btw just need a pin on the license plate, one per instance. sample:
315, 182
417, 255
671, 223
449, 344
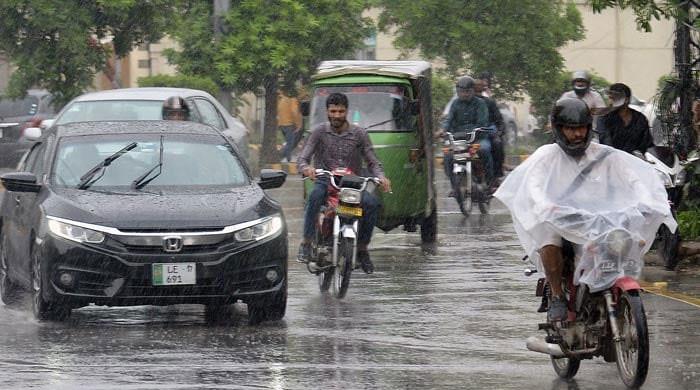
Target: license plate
349, 210
168, 274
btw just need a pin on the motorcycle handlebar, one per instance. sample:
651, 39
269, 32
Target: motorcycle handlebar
323, 172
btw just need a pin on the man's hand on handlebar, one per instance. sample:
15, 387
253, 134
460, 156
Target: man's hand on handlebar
385, 183
309, 172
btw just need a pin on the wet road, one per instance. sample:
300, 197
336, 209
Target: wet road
457, 318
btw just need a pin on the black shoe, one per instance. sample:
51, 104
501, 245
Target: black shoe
365, 262
304, 254
558, 310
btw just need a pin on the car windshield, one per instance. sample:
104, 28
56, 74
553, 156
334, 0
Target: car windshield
112, 110
376, 107
188, 160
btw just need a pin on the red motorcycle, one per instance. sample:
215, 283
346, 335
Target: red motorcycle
606, 315
334, 249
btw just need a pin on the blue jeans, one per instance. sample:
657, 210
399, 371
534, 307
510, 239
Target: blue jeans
290, 137
484, 154
317, 198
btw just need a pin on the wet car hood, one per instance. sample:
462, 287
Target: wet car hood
144, 210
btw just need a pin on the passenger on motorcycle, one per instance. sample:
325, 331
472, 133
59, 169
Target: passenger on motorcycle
495, 121
556, 194
581, 83
339, 144
467, 113
623, 127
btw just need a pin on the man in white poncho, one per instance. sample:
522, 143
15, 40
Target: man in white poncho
580, 191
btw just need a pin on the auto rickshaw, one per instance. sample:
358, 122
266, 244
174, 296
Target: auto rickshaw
392, 100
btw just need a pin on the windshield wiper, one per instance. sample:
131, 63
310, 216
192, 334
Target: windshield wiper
381, 123
141, 181
87, 179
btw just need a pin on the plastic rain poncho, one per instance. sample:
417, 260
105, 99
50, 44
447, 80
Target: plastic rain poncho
608, 203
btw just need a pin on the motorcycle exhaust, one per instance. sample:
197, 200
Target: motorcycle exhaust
537, 344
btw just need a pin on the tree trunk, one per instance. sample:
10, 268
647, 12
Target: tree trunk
269, 152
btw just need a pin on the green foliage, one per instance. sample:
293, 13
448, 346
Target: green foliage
516, 40
56, 44
180, 81
644, 10
278, 39
442, 90
689, 224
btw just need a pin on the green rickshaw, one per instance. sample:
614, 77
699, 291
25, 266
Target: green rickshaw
392, 100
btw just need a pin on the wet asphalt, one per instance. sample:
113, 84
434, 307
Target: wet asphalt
452, 317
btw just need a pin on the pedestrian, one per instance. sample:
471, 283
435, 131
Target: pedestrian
289, 123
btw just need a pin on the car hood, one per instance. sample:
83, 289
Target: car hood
143, 210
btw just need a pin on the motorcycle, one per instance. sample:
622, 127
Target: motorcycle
469, 185
605, 312
674, 173
334, 248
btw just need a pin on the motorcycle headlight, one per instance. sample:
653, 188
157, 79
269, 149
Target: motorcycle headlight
266, 228
75, 233
350, 195
665, 178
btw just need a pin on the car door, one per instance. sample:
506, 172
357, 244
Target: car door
19, 209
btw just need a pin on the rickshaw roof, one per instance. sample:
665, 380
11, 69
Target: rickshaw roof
410, 69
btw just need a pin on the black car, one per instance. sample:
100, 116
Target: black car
141, 212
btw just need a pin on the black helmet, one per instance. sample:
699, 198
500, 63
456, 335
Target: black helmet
175, 104
571, 112
465, 82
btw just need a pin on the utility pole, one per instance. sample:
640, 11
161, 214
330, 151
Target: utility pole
687, 58
221, 8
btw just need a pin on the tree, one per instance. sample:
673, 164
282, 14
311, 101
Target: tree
644, 10
56, 44
516, 40
267, 45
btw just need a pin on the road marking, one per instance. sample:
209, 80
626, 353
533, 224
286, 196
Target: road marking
661, 288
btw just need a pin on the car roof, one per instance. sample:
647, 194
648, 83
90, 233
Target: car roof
128, 127
145, 93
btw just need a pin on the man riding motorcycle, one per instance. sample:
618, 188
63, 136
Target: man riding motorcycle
467, 113
555, 195
339, 144
495, 120
622, 127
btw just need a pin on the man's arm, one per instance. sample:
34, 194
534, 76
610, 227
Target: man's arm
304, 159
647, 140
482, 114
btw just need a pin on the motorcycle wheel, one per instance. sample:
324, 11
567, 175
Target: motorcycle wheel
342, 271
463, 193
632, 351
324, 278
566, 368
668, 247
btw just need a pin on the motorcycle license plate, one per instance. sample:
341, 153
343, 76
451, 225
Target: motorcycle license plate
168, 274
349, 210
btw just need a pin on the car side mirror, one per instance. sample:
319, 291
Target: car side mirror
32, 133
305, 108
20, 182
46, 123
414, 107
271, 178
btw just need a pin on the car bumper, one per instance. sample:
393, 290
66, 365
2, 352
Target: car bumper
106, 277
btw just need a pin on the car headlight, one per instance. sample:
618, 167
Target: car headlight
350, 195
266, 228
75, 233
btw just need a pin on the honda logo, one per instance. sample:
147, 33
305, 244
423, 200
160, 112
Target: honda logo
172, 244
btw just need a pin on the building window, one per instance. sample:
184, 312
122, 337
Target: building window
144, 64
369, 51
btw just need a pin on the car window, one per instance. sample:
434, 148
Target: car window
209, 114
36, 165
22, 107
188, 160
29, 161
112, 110
194, 113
